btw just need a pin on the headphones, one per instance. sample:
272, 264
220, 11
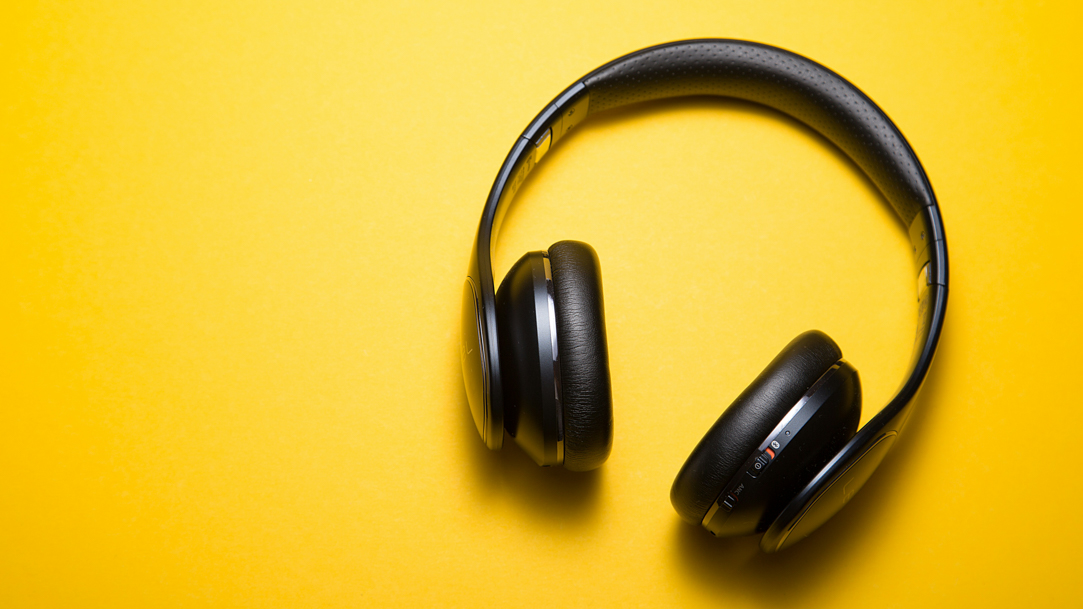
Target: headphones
787, 454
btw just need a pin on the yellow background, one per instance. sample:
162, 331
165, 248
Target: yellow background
232, 243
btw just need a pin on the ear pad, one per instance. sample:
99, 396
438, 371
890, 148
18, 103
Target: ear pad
749, 420
582, 354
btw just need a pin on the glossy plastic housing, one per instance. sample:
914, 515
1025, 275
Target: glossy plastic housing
837, 482
791, 84
476, 373
532, 415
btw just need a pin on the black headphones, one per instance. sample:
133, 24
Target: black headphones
787, 454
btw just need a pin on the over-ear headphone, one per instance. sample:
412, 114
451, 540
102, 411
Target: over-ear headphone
787, 454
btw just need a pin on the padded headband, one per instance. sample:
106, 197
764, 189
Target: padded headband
779, 79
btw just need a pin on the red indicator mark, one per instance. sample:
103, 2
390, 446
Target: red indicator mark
771, 452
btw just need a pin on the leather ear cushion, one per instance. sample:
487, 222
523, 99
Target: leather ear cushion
748, 421
583, 355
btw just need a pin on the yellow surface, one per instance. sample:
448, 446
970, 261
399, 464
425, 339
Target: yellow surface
232, 243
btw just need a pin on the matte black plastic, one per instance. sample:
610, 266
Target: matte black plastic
583, 355
529, 392
747, 421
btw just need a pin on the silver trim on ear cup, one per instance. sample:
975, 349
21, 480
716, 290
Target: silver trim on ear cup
556, 358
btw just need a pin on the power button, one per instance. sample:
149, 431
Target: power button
760, 464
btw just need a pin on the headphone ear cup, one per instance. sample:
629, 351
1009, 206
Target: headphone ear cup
526, 359
751, 418
583, 355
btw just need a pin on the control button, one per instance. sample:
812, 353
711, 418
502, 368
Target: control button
727, 505
543, 145
759, 465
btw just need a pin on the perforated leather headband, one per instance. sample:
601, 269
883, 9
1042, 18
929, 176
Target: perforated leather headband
779, 79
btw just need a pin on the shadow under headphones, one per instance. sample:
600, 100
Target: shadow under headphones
787, 454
